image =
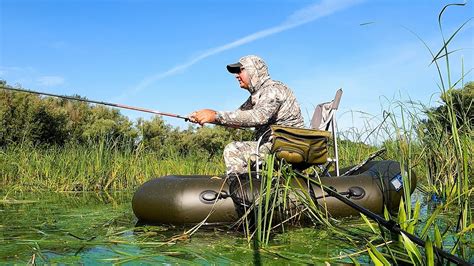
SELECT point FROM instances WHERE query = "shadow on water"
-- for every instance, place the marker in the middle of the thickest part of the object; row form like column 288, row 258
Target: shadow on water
column 93, row 228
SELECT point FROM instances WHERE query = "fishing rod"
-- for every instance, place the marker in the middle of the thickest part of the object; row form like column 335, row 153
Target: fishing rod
column 96, row 102
column 391, row 225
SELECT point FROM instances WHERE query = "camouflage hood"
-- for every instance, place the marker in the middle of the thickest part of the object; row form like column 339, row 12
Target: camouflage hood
column 270, row 102
column 257, row 71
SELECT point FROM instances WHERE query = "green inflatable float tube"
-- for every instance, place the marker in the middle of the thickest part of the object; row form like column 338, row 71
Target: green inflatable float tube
column 179, row 199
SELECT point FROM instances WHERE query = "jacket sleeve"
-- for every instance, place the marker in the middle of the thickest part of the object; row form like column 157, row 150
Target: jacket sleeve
column 262, row 112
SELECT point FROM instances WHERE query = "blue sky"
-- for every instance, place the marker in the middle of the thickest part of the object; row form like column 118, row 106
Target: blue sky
column 170, row 56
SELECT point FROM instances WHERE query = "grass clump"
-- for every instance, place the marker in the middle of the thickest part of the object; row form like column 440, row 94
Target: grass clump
column 94, row 167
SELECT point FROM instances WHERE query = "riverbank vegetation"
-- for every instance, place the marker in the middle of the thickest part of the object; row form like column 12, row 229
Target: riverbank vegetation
column 54, row 144
column 61, row 145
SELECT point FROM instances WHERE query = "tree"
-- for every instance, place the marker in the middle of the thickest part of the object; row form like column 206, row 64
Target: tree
column 460, row 101
column 52, row 121
column 153, row 133
column 26, row 117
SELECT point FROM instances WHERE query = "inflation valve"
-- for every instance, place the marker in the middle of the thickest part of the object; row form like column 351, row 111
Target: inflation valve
column 210, row 196
column 356, row 193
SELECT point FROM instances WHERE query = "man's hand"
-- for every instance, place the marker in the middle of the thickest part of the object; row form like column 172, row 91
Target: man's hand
column 203, row 116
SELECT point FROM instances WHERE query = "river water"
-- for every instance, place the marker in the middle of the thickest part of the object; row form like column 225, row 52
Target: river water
column 91, row 228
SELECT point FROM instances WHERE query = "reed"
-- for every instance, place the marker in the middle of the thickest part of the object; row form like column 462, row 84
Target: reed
column 440, row 161
column 97, row 166
column 441, row 156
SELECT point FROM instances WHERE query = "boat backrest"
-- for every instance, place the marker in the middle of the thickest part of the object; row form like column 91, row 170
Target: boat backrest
column 324, row 118
column 324, row 113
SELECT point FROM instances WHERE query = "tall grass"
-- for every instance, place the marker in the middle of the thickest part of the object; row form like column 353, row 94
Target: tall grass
column 447, row 153
column 99, row 166
column 280, row 200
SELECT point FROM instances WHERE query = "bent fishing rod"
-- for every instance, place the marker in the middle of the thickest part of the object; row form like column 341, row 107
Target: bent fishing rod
column 96, row 102
column 391, row 225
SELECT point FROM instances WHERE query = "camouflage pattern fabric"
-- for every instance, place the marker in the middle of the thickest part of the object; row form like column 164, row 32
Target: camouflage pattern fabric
column 239, row 154
column 270, row 103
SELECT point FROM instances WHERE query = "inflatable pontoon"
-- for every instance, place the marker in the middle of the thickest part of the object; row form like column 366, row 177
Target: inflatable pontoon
column 178, row 199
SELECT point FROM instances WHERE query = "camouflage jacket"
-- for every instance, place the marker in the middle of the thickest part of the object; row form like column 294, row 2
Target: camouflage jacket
column 270, row 103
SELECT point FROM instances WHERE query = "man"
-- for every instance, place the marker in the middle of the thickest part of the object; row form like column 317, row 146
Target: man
column 270, row 103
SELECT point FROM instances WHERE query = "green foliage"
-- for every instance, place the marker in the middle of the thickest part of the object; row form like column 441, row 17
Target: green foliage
column 109, row 123
column 154, row 133
column 39, row 120
column 447, row 135
column 351, row 153
column 211, row 141
column 46, row 121
column 461, row 101
column 28, row 118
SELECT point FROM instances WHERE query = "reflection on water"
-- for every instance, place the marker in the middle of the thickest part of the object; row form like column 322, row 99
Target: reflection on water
column 96, row 228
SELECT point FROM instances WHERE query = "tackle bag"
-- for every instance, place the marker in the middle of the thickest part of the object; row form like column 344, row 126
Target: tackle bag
column 300, row 145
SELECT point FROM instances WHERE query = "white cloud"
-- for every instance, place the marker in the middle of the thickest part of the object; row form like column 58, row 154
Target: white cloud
column 50, row 81
column 297, row 18
column 315, row 11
